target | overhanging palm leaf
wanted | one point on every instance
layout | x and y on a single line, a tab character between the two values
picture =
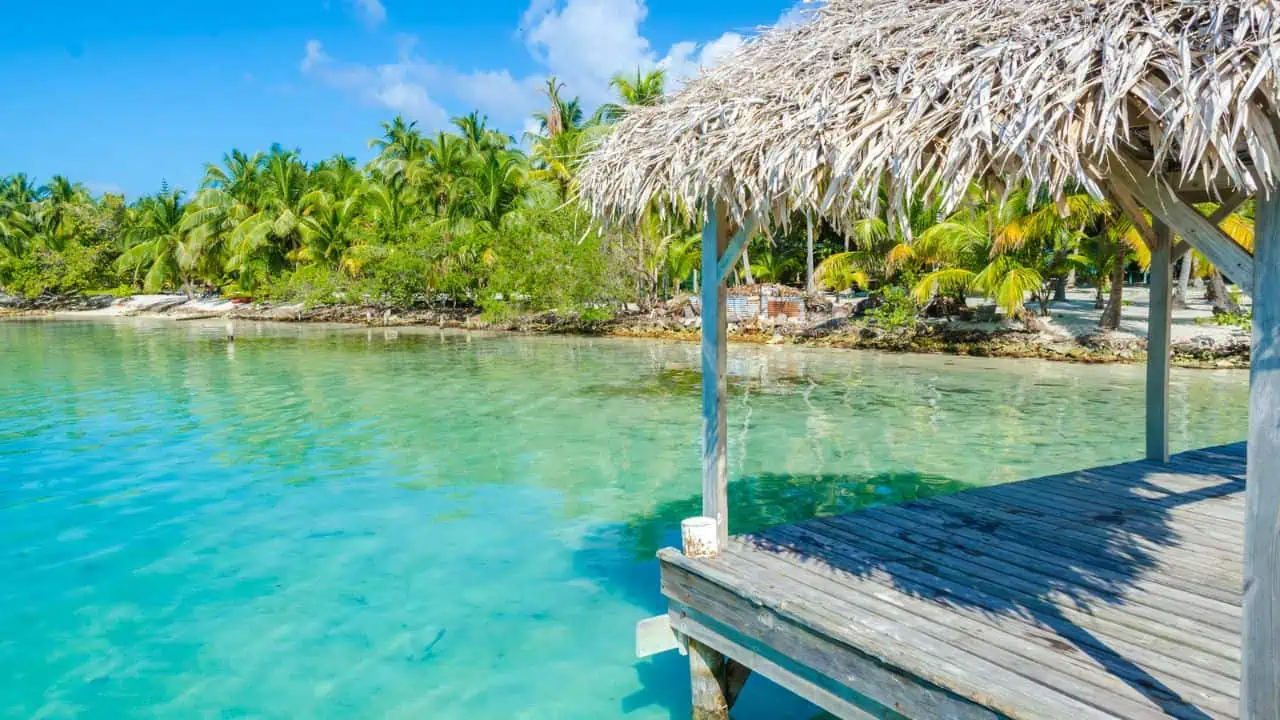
842	271
947	280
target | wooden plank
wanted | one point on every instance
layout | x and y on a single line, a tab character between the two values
768	617
1218	534
1220	507
1097	550
1065	505
1261	690
715	458
1206	618
1133	211
1097	577
1219	504
1018	624
1189	631
1156	195
1229	205
1160	328
1051	553
900	646
654	635
1050	527
898	568
1051	668
695	625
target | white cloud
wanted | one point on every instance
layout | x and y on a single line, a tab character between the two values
398	86
584	43
686	59
798	13
371	12
496	92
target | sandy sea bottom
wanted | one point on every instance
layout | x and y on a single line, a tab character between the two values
329	522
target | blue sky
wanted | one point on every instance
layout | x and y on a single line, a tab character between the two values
122	96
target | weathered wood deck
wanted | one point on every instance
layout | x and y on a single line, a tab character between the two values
1113	592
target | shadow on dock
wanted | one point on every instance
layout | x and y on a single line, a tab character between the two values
1087	540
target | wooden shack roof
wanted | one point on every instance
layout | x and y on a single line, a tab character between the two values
895	93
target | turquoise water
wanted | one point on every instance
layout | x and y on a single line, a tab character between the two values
323	522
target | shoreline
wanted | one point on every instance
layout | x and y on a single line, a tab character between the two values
1215	348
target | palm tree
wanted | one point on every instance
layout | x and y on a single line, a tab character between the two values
494	187
330	226
771	267
559	116
642	89
52	219
259	233
339	176
240	175
18	196
684	256
1007	248
478	136
445	164
155	243
400	140
880	247
392	204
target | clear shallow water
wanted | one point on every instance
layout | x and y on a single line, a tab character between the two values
343	523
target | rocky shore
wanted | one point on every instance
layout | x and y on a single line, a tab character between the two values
1205	346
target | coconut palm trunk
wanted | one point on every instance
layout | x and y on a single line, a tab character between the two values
1111	315
1184	282
1222	302
746	268
808	268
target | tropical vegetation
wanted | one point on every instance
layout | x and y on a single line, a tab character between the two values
472	217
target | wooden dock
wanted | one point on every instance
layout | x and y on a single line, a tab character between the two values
1113	592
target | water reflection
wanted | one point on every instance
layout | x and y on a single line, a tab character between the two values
473	514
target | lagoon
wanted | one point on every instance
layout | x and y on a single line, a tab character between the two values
344	522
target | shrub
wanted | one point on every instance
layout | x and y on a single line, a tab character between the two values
896	312
400	278
75	269
1242	319
312	285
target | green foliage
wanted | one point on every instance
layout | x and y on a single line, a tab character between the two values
74	269
897	310
1242	320
401	277
466	217
547	259
313	285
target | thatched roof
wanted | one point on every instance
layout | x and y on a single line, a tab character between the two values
951	92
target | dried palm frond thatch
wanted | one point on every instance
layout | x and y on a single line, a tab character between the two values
950	92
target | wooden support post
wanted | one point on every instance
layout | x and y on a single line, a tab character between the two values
1260	690
715	457
1159	321
707	669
